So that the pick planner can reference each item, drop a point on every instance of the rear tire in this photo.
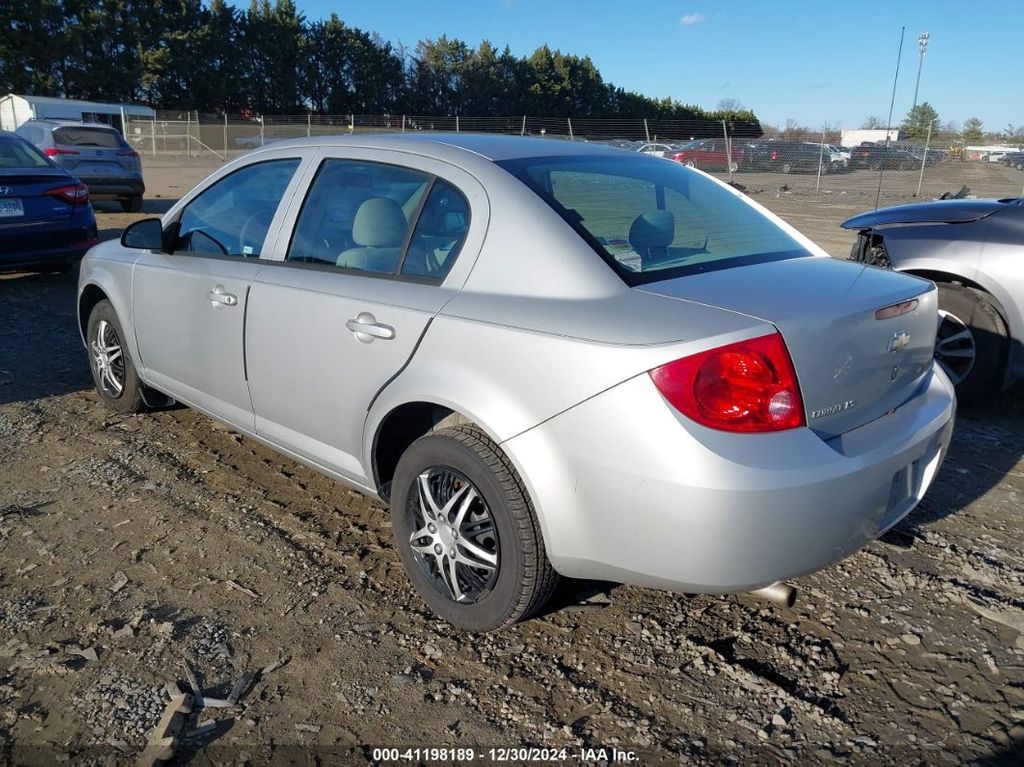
(113, 371)
(787, 167)
(131, 204)
(451, 464)
(972, 342)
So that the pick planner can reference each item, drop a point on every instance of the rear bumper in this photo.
(114, 187)
(628, 490)
(54, 243)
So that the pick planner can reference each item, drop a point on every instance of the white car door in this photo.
(189, 305)
(377, 246)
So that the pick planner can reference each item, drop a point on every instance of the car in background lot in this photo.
(657, 150)
(1013, 160)
(708, 154)
(96, 154)
(46, 220)
(974, 251)
(879, 156)
(787, 157)
(549, 357)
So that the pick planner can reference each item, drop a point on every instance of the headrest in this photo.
(655, 229)
(379, 223)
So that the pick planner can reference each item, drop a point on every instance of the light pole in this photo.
(922, 44)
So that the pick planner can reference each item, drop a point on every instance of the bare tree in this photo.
(730, 105)
(873, 123)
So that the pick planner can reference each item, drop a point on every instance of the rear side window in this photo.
(651, 219)
(357, 216)
(15, 153)
(99, 138)
(380, 219)
(439, 233)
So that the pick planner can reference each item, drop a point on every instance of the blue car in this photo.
(46, 220)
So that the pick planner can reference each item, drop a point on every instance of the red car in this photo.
(708, 154)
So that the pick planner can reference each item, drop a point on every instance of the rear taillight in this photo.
(749, 386)
(52, 151)
(677, 157)
(128, 153)
(775, 155)
(76, 194)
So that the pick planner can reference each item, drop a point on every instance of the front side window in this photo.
(233, 217)
(651, 219)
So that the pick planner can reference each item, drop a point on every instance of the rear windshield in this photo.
(15, 153)
(654, 219)
(97, 137)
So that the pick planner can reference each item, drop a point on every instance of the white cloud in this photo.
(692, 18)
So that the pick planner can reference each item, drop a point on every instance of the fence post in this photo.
(403, 123)
(728, 148)
(309, 125)
(352, 123)
(647, 133)
(569, 120)
(522, 131)
(154, 135)
(456, 123)
(225, 134)
(821, 157)
(188, 133)
(920, 178)
(262, 141)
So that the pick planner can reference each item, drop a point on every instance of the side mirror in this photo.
(147, 234)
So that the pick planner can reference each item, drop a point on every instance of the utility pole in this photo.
(922, 44)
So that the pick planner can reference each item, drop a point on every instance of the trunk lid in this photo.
(852, 366)
(28, 186)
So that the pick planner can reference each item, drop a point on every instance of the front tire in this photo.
(113, 371)
(972, 342)
(466, 531)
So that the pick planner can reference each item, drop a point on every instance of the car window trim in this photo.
(176, 221)
(396, 275)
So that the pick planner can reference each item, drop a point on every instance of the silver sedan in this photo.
(549, 358)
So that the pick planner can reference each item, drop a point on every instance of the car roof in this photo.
(488, 146)
(61, 123)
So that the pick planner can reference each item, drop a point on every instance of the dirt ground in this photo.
(140, 551)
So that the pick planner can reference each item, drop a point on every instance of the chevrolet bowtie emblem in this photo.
(898, 341)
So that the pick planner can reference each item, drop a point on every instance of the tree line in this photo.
(212, 57)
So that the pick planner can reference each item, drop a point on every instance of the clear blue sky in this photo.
(810, 61)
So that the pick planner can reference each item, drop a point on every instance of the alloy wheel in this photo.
(455, 542)
(108, 357)
(955, 347)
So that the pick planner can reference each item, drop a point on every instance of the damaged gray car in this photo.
(974, 251)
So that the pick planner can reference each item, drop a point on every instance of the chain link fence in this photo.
(776, 162)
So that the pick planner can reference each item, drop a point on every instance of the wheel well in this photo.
(91, 296)
(956, 279)
(399, 429)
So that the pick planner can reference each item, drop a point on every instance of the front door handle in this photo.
(219, 297)
(366, 328)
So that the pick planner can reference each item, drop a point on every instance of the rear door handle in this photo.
(366, 328)
(219, 297)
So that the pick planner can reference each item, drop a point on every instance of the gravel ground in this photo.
(142, 552)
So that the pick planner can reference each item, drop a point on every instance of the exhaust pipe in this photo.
(778, 593)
